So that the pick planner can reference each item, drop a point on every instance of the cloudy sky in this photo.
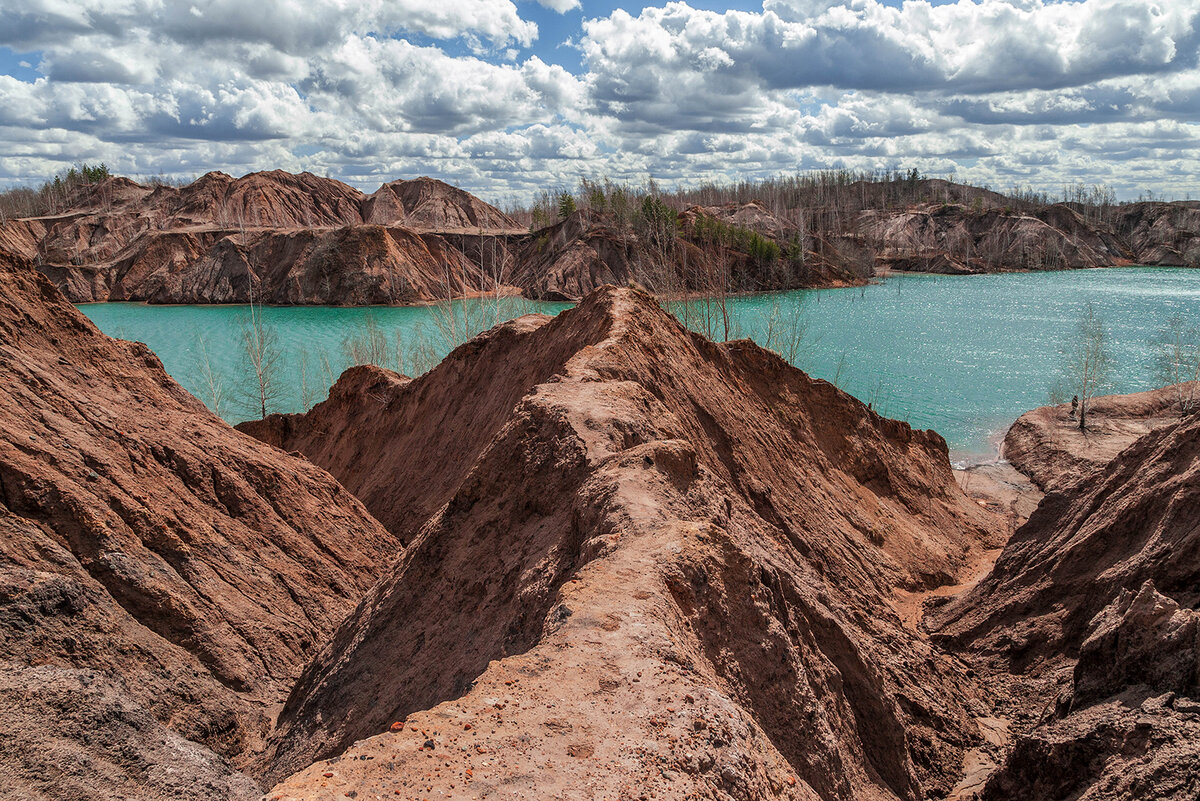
(506, 97)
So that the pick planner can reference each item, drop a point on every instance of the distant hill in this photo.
(278, 238)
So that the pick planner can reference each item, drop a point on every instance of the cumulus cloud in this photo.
(561, 6)
(998, 91)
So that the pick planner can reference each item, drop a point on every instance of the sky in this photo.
(509, 97)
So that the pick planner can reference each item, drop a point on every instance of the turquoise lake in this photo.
(963, 355)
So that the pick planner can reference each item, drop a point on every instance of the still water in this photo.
(962, 355)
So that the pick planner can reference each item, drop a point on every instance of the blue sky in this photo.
(509, 97)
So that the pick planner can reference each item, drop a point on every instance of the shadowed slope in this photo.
(152, 547)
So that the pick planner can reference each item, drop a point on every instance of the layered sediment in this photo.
(163, 578)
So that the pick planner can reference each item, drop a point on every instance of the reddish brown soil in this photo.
(270, 237)
(1087, 629)
(638, 562)
(291, 239)
(957, 240)
(1047, 445)
(163, 578)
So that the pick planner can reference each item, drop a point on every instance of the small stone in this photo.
(428, 744)
(327, 775)
(398, 726)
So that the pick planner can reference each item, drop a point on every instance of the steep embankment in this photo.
(163, 578)
(272, 237)
(636, 559)
(301, 239)
(590, 248)
(957, 240)
(1090, 614)
(1166, 234)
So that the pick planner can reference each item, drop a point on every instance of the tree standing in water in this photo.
(262, 360)
(1087, 361)
(1178, 362)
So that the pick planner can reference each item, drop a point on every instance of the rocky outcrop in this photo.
(1138, 745)
(1047, 445)
(1089, 612)
(1166, 234)
(1142, 638)
(1129, 727)
(634, 558)
(163, 578)
(953, 239)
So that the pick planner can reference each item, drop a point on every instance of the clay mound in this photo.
(274, 199)
(1047, 445)
(588, 249)
(272, 236)
(148, 544)
(575, 256)
(636, 558)
(1136, 520)
(426, 204)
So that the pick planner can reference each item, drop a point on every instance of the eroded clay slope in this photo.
(636, 559)
(270, 237)
(163, 578)
(1091, 612)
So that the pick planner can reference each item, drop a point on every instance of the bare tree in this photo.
(1087, 362)
(785, 326)
(262, 363)
(307, 397)
(212, 382)
(368, 346)
(1178, 362)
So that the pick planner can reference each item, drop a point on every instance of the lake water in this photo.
(962, 355)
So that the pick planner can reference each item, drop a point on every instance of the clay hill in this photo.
(1089, 622)
(163, 578)
(636, 562)
(281, 238)
(271, 237)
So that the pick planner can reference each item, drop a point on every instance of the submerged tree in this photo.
(262, 361)
(212, 385)
(1178, 361)
(1087, 362)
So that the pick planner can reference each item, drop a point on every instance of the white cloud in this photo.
(561, 6)
(1001, 91)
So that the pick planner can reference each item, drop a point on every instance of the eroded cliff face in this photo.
(1088, 621)
(270, 237)
(957, 240)
(634, 558)
(163, 578)
(1167, 234)
(301, 239)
